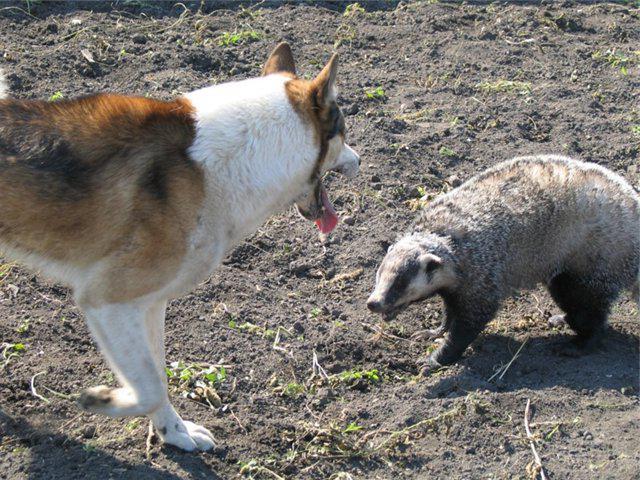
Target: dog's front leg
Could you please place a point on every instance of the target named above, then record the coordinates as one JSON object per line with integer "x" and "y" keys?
{"x": 128, "y": 336}
{"x": 168, "y": 424}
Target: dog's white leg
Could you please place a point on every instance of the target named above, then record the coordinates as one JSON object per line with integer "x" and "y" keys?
{"x": 168, "y": 424}
{"x": 121, "y": 334}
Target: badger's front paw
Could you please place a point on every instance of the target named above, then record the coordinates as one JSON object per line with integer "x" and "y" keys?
{"x": 428, "y": 365}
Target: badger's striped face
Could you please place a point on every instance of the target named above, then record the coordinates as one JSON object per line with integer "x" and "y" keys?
{"x": 408, "y": 273}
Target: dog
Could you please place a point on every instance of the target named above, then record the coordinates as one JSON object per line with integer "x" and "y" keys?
{"x": 133, "y": 201}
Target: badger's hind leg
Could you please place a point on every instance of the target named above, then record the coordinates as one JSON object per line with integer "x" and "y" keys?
{"x": 586, "y": 303}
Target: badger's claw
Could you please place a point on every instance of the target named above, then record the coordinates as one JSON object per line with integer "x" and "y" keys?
{"x": 428, "y": 365}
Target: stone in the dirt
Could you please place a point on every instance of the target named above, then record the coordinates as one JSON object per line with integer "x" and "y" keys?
{"x": 139, "y": 38}
{"x": 349, "y": 220}
{"x": 454, "y": 181}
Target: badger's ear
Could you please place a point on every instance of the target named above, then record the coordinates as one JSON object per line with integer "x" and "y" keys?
{"x": 324, "y": 85}
{"x": 431, "y": 262}
{"x": 280, "y": 60}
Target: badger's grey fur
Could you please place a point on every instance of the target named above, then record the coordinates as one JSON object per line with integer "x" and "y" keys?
{"x": 3, "y": 85}
{"x": 573, "y": 225}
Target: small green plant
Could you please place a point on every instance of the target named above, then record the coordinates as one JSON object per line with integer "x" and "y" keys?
{"x": 89, "y": 447}
{"x": 351, "y": 428}
{"x": 255, "y": 469}
{"x": 505, "y": 86}
{"x": 293, "y": 389}
{"x": 344, "y": 34}
{"x": 377, "y": 93}
{"x": 447, "y": 152}
{"x": 353, "y": 378}
{"x": 197, "y": 381}
{"x": 5, "y": 269}
{"x": 614, "y": 59}
{"x": 315, "y": 312}
{"x": 132, "y": 425}
{"x": 353, "y": 9}
{"x": 261, "y": 331}
{"x": 10, "y": 351}
{"x": 56, "y": 96}
{"x": 23, "y": 327}
{"x": 635, "y": 129}
{"x": 229, "y": 39}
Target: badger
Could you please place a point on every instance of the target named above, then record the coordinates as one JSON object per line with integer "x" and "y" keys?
{"x": 572, "y": 225}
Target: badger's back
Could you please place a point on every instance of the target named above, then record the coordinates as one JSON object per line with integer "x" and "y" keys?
{"x": 531, "y": 217}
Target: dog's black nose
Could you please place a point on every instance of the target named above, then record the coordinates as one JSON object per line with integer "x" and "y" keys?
{"x": 374, "y": 305}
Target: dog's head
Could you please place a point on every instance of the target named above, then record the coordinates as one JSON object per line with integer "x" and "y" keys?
{"x": 315, "y": 101}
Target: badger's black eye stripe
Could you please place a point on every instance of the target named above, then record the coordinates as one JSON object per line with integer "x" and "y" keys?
{"x": 408, "y": 271}
{"x": 431, "y": 266}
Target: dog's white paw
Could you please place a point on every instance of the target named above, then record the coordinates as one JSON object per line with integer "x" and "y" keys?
{"x": 188, "y": 436}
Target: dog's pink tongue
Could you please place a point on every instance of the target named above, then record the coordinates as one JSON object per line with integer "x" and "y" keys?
{"x": 329, "y": 218}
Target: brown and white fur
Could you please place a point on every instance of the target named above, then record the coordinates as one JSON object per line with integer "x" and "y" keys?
{"x": 571, "y": 225}
{"x": 133, "y": 201}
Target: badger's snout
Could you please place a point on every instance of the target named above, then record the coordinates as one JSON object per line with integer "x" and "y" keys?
{"x": 375, "y": 305}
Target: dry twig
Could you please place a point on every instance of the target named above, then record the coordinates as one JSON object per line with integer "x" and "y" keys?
{"x": 506, "y": 367}
{"x": 33, "y": 388}
{"x": 536, "y": 457}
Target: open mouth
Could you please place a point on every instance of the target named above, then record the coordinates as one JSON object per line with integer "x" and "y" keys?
{"x": 320, "y": 210}
{"x": 328, "y": 217}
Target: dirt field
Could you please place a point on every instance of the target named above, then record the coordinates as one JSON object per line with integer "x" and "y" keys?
{"x": 432, "y": 93}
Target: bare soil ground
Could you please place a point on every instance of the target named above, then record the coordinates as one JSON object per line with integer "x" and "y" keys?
{"x": 432, "y": 93}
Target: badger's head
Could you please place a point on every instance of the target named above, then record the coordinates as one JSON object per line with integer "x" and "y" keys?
{"x": 414, "y": 268}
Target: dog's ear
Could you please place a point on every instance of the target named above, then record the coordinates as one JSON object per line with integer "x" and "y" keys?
{"x": 280, "y": 60}
{"x": 325, "y": 83}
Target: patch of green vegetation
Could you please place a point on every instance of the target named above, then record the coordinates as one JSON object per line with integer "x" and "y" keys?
{"x": 376, "y": 93}
{"x": 315, "y": 312}
{"x": 414, "y": 116}
{"x": 635, "y": 130}
{"x": 256, "y": 469}
{"x": 345, "y": 33}
{"x": 259, "y": 330}
{"x": 249, "y": 12}
{"x": 5, "y": 269}
{"x": 505, "y": 86}
{"x": 56, "y": 96}
{"x": 447, "y": 152}
{"x": 229, "y": 39}
{"x": 293, "y": 389}
{"x": 132, "y": 425}
{"x": 355, "y": 377}
{"x": 352, "y": 428}
{"x": 353, "y": 9}
{"x": 11, "y": 351}
{"x": 197, "y": 381}
{"x": 615, "y": 59}
{"x": 23, "y": 327}
{"x": 90, "y": 447}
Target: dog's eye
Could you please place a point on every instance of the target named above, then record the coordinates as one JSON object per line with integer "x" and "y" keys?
{"x": 336, "y": 120}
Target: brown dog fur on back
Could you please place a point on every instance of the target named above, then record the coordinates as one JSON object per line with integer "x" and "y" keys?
{"x": 97, "y": 178}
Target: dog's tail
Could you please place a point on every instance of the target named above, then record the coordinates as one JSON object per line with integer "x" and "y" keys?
{"x": 4, "y": 88}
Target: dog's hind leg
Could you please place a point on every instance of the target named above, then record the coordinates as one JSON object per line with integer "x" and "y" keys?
{"x": 121, "y": 334}
{"x": 168, "y": 424}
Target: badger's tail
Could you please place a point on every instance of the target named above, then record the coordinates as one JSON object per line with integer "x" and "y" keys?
{"x": 4, "y": 88}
